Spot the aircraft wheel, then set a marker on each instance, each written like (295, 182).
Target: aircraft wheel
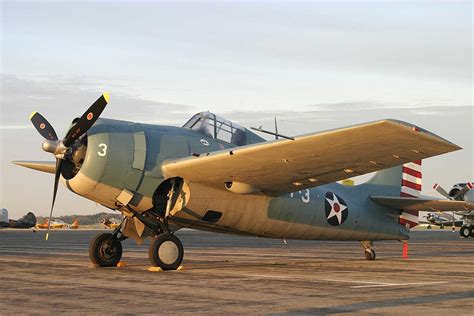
(465, 231)
(370, 254)
(166, 251)
(441, 226)
(105, 250)
(471, 231)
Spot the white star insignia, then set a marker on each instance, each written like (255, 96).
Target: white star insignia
(336, 208)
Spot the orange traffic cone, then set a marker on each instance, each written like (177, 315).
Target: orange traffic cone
(405, 251)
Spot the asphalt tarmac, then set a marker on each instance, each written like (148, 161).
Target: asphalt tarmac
(225, 274)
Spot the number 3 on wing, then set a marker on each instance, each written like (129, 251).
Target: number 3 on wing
(305, 196)
(103, 150)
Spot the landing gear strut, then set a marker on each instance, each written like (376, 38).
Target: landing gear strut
(369, 252)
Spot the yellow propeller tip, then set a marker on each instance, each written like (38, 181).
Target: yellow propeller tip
(32, 114)
(106, 97)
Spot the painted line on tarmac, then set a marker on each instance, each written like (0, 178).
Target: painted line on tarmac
(397, 284)
(364, 284)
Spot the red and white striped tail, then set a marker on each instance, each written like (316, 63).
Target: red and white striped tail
(411, 187)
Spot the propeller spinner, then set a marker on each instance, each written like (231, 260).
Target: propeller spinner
(63, 149)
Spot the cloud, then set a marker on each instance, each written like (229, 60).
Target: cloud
(427, 112)
(15, 127)
(63, 98)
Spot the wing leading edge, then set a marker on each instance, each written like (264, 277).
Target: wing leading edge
(283, 166)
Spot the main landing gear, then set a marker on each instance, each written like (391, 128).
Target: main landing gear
(368, 250)
(466, 231)
(166, 250)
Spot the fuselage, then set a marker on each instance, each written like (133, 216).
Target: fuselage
(128, 156)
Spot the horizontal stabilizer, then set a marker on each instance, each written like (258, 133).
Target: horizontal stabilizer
(44, 166)
(417, 204)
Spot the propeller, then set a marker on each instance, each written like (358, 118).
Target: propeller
(463, 191)
(63, 149)
(456, 197)
(440, 190)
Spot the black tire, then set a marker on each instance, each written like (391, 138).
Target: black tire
(105, 250)
(166, 251)
(471, 231)
(465, 231)
(441, 226)
(370, 254)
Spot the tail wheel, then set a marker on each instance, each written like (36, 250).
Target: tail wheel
(105, 250)
(370, 254)
(166, 251)
(465, 231)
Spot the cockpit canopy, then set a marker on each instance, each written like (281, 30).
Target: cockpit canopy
(211, 125)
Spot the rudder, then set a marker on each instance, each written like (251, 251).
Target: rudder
(410, 187)
(403, 181)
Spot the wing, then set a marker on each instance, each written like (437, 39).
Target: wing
(283, 166)
(417, 204)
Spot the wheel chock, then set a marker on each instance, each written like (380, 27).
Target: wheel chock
(121, 264)
(180, 268)
(155, 269)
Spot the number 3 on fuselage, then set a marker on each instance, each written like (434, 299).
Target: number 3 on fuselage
(103, 150)
(305, 196)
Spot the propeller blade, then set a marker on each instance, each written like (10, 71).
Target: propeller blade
(464, 190)
(87, 120)
(43, 127)
(441, 191)
(55, 191)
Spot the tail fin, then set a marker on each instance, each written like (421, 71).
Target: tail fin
(411, 187)
(75, 224)
(404, 181)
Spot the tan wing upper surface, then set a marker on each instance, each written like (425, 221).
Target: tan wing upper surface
(283, 166)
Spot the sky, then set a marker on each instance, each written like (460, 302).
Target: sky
(314, 65)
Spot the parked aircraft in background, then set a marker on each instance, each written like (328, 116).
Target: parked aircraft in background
(55, 224)
(461, 192)
(27, 221)
(443, 219)
(110, 223)
(212, 174)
